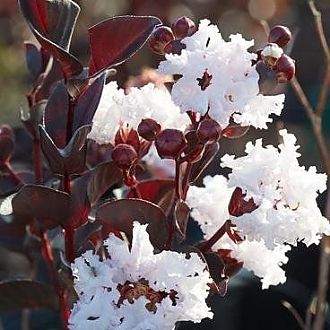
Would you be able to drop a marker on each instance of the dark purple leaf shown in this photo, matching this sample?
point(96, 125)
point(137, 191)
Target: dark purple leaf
point(52, 23)
point(115, 40)
point(48, 206)
point(34, 59)
point(197, 169)
point(33, 118)
point(21, 294)
point(70, 160)
point(238, 205)
point(181, 214)
point(121, 214)
point(102, 178)
point(83, 233)
point(56, 113)
point(87, 103)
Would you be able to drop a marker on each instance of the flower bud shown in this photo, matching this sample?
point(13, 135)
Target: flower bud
point(183, 27)
point(209, 131)
point(174, 47)
point(279, 35)
point(271, 54)
point(285, 68)
point(149, 129)
point(124, 156)
point(160, 38)
point(170, 143)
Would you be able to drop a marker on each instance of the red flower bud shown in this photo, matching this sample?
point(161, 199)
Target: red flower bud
point(170, 143)
point(149, 129)
point(209, 131)
point(160, 38)
point(183, 27)
point(280, 35)
point(124, 156)
point(238, 205)
point(285, 68)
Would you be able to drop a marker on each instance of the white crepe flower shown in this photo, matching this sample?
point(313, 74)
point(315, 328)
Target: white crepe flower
point(217, 78)
point(118, 110)
point(159, 167)
point(210, 209)
point(137, 289)
point(284, 192)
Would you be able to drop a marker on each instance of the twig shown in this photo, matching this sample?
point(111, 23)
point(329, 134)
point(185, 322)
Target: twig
point(316, 122)
point(318, 23)
point(322, 289)
point(324, 92)
point(295, 314)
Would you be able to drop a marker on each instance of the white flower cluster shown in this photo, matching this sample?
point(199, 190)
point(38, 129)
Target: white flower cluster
point(218, 79)
point(287, 212)
point(119, 110)
point(137, 289)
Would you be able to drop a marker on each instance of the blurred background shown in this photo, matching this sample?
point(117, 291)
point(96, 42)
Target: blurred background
point(246, 306)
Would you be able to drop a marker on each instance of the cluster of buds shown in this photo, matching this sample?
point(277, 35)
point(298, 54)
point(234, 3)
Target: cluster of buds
point(272, 54)
point(167, 39)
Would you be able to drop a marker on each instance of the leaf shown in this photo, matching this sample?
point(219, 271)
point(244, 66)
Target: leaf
point(33, 118)
point(121, 214)
point(12, 235)
point(52, 23)
point(101, 179)
point(7, 143)
point(34, 59)
point(153, 190)
point(115, 40)
point(21, 294)
point(216, 268)
point(210, 152)
point(54, 20)
point(83, 233)
point(234, 131)
point(88, 102)
point(56, 113)
point(70, 160)
point(181, 214)
point(48, 206)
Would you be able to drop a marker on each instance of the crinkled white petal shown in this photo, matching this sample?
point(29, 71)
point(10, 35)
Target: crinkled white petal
point(164, 272)
point(117, 110)
point(209, 204)
point(233, 87)
point(284, 192)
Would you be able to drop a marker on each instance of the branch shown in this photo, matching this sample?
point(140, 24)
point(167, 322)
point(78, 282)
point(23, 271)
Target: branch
point(319, 27)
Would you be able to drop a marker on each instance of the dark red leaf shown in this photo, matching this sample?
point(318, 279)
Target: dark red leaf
point(70, 160)
point(48, 206)
point(234, 131)
point(56, 113)
point(33, 118)
point(238, 205)
point(87, 103)
point(115, 40)
point(181, 214)
point(52, 23)
point(12, 235)
point(197, 169)
point(121, 214)
point(21, 294)
point(102, 178)
point(83, 233)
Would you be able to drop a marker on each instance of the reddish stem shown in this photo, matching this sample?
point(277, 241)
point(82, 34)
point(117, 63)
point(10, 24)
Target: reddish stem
point(7, 167)
point(206, 246)
point(48, 256)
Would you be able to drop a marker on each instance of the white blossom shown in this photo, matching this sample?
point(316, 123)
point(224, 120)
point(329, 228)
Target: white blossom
point(160, 168)
point(284, 192)
point(137, 289)
point(118, 110)
point(230, 84)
